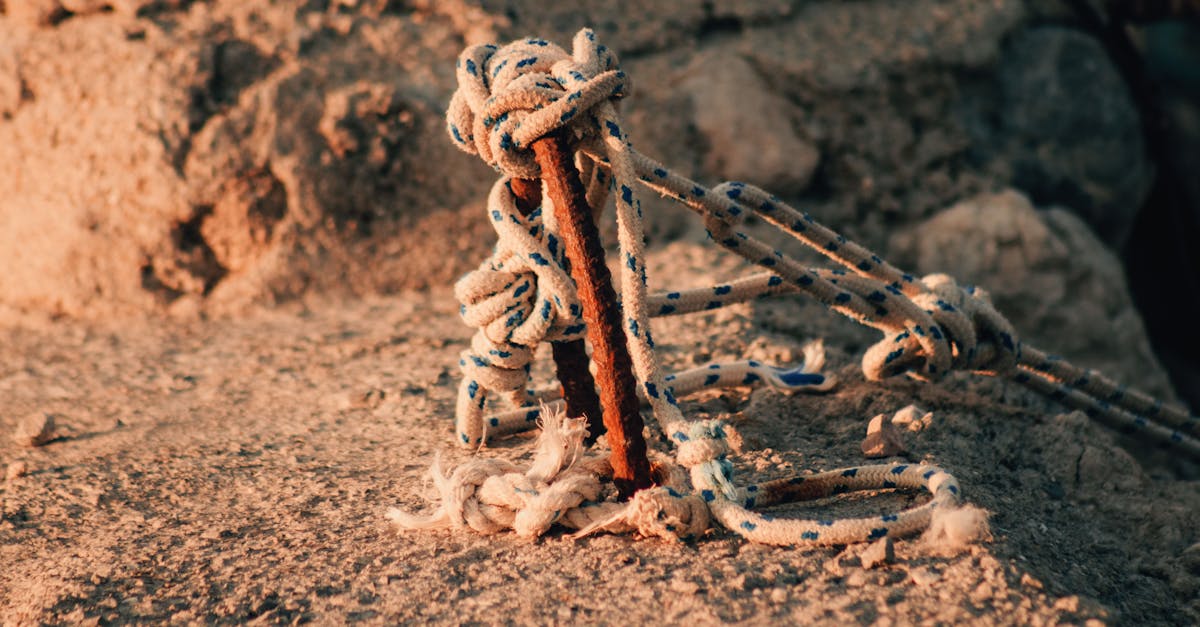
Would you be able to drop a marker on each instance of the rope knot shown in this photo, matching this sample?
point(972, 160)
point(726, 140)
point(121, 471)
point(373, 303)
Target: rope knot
point(968, 334)
point(699, 442)
point(510, 96)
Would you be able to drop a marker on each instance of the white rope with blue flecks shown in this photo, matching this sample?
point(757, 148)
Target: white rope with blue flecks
point(510, 96)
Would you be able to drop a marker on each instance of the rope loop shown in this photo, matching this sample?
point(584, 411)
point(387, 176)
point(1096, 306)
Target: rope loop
point(519, 297)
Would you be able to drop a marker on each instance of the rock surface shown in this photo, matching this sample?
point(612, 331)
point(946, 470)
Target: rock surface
point(209, 155)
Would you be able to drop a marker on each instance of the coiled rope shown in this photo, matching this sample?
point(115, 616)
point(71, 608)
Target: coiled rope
point(510, 96)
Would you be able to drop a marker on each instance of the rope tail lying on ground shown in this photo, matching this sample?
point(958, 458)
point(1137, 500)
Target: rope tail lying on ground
point(522, 295)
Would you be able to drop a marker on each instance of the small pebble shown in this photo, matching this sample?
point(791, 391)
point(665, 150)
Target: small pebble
point(924, 577)
point(913, 417)
point(882, 551)
point(883, 439)
point(16, 470)
point(35, 429)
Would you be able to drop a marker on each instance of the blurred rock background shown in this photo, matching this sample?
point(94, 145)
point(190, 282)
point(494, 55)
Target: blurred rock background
point(197, 158)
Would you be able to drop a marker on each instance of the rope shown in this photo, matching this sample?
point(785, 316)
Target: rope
point(563, 486)
point(507, 98)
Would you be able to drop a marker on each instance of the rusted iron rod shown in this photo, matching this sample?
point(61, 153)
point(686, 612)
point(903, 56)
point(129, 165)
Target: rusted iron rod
point(605, 330)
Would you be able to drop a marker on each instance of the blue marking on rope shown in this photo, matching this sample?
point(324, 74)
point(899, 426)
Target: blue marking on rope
point(734, 193)
point(669, 394)
point(613, 129)
point(864, 265)
point(714, 366)
point(708, 496)
point(651, 390)
point(471, 68)
point(799, 226)
point(831, 246)
point(893, 356)
point(849, 472)
point(809, 535)
point(799, 377)
point(495, 422)
point(888, 484)
point(749, 502)
point(531, 415)
point(748, 526)
point(825, 523)
point(711, 379)
point(465, 439)
point(722, 289)
point(877, 533)
point(877, 296)
point(666, 309)
point(660, 173)
point(567, 115)
point(539, 259)
point(843, 298)
point(953, 489)
point(767, 261)
point(805, 280)
point(633, 327)
point(521, 289)
point(680, 436)
point(472, 389)
point(713, 304)
point(889, 518)
point(935, 332)
point(751, 378)
point(774, 280)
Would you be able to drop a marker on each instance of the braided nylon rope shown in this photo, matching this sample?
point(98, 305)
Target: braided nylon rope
point(507, 98)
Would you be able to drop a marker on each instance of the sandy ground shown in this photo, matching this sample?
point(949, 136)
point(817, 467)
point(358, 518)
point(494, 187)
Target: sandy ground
point(239, 470)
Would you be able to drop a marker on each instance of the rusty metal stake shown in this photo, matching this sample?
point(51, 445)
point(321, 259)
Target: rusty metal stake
point(614, 368)
point(570, 358)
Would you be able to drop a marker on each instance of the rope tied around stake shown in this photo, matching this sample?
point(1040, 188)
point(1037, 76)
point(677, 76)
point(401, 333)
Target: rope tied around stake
point(512, 96)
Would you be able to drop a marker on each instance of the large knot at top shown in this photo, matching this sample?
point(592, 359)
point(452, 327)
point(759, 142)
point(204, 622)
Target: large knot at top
point(508, 97)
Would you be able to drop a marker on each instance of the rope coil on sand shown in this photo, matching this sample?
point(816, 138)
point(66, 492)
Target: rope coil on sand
point(510, 96)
